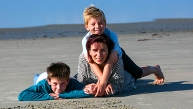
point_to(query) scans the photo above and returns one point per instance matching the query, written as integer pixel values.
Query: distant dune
(69, 30)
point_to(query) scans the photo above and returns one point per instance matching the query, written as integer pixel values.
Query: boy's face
(96, 26)
(58, 85)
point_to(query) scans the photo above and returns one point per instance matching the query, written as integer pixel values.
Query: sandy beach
(25, 52)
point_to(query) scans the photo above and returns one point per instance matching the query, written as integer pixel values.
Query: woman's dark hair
(99, 39)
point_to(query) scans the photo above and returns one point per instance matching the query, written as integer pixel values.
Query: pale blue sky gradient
(27, 13)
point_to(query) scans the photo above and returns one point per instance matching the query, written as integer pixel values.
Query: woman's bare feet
(159, 75)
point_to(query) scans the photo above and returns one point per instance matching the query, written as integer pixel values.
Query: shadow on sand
(143, 87)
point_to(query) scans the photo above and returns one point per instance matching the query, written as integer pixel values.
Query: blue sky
(27, 13)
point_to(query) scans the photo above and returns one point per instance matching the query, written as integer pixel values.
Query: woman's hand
(109, 90)
(88, 89)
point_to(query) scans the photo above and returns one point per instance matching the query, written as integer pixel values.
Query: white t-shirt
(110, 34)
(42, 76)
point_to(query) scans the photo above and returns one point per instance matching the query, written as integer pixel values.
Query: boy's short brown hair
(58, 70)
(93, 12)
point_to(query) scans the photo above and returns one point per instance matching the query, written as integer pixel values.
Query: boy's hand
(56, 97)
(100, 88)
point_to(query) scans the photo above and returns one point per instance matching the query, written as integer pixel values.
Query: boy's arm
(109, 65)
(106, 73)
(34, 93)
(75, 90)
(103, 76)
(84, 40)
(115, 39)
(94, 68)
(74, 94)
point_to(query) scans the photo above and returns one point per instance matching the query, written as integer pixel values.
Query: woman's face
(98, 52)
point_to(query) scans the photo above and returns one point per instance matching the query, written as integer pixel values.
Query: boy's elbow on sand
(20, 97)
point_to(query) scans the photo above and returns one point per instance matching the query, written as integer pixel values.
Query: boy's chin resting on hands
(55, 96)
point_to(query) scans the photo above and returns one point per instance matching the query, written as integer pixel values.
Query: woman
(99, 48)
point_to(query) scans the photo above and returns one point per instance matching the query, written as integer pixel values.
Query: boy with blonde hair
(58, 85)
(95, 23)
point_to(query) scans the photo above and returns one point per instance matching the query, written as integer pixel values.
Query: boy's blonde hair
(93, 12)
(58, 70)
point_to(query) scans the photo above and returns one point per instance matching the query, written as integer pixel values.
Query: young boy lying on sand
(58, 85)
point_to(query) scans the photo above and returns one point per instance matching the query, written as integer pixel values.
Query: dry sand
(166, 42)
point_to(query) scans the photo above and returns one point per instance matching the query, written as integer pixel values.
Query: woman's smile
(99, 59)
(99, 52)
